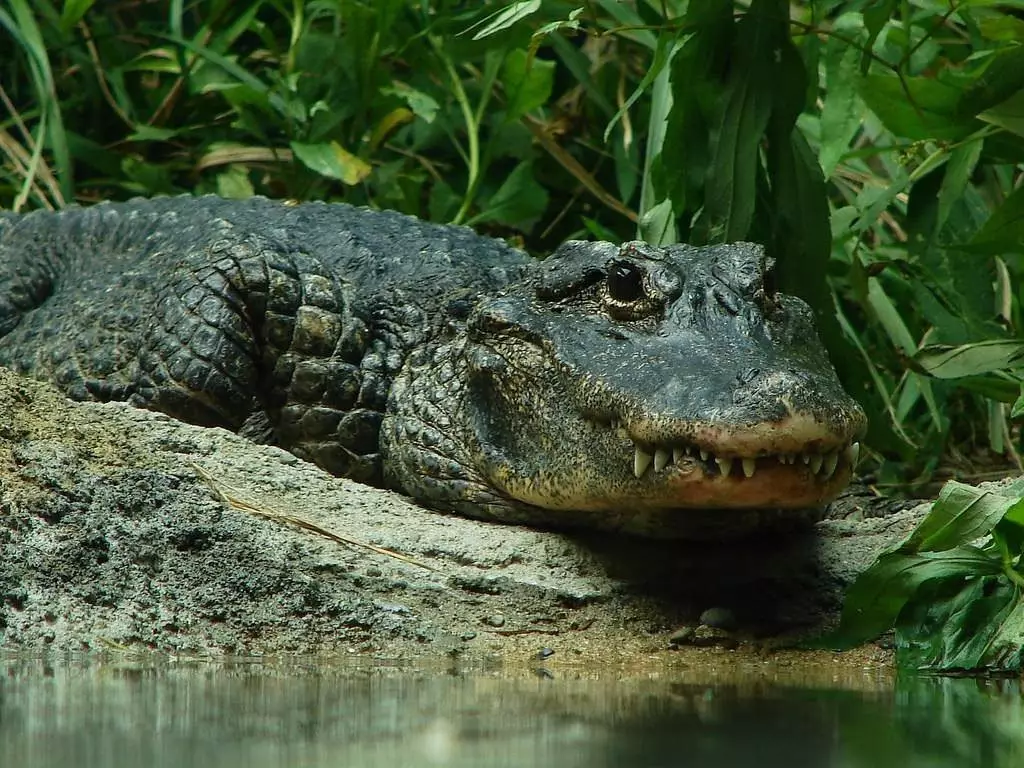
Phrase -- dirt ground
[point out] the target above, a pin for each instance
(124, 530)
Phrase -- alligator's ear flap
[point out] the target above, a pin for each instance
(573, 266)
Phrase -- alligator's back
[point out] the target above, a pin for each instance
(214, 310)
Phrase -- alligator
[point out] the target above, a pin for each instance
(663, 391)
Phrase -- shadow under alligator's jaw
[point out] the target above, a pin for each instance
(763, 579)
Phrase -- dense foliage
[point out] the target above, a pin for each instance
(876, 142)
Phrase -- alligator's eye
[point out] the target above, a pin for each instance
(625, 282)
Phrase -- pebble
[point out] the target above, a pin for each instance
(719, 617)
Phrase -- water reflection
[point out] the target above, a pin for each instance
(252, 715)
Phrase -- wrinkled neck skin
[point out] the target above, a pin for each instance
(426, 446)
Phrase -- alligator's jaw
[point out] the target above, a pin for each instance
(788, 465)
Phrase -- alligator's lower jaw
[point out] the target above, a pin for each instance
(772, 482)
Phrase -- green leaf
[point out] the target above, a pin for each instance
(1017, 411)
(145, 132)
(504, 18)
(876, 16)
(1002, 77)
(842, 109)
(1004, 229)
(963, 159)
(803, 236)
(731, 190)
(889, 316)
(662, 55)
(625, 15)
(962, 625)
(423, 105)
(874, 601)
(519, 201)
(944, 362)
(656, 223)
(73, 12)
(916, 108)
(528, 82)
(680, 169)
(1008, 115)
(961, 514)
(332, 160)
(234, 183)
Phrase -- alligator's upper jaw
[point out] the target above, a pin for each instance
(686, 476)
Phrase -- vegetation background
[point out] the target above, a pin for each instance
(875, 147)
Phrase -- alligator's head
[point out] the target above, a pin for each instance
(627, 387)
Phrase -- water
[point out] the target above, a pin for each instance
(314, 714)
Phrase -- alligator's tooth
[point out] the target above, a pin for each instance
(851, 454)
(677, 454)
(816, 462)
(660, 459)
(806, 458)
(724, 466)
(641, 461)
(830, 465)
(704, 454)
(749, 465)
(785, 458)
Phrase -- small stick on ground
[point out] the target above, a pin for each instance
(233, 498)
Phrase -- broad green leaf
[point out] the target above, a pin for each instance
(916, 108)
(519, 201)
(944, 362)
(961, 625)
(874, 601)
(963, 159)
(961, 514)
(528, 82)
(1008, 115)
(332, 160)
(504, 18)
(1004, 229)
(1006, 648)
(1001, 27)
(1002, 77)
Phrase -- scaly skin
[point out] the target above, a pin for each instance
(666, 392)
